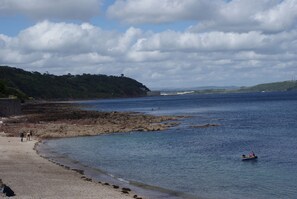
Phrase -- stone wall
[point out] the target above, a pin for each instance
(9, 107)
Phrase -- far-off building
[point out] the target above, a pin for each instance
(9, 107)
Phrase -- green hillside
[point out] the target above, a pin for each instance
(24, 84)
(269, 87)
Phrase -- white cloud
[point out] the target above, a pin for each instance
(246, 15)
(157, 59)
(214, 41)
(280, 17)
(51, 9)
(63, 37)
(215, 15)
(161, 11)
(126, 40)
(48, 44)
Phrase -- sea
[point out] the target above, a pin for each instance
(188, 161)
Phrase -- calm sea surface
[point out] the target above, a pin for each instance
(201, 162)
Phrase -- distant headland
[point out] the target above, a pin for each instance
(25, 85)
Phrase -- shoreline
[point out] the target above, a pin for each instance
(31, 176)
(41, 178)
(102, 177)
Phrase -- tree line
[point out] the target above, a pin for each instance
(25, 85)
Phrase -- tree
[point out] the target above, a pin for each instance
(2, 86)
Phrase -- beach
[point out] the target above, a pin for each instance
(32, 176)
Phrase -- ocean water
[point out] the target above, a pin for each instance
(189, 162)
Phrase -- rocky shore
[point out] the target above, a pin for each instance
(56, 120)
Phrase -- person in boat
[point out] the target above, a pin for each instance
(252, 154)
(243, 156)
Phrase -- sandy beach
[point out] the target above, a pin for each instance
(31, 176)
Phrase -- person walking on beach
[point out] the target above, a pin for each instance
(22, 136)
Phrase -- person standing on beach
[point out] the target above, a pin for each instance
(28, 137)
(22, 136)
(31, 134)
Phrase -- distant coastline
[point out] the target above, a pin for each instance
(267, 87)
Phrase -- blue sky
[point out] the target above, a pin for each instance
(161, 43)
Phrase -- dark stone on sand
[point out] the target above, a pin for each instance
(78, 171)
(126, 189)
(107, 184)
(135, 196)
(115, 186)
(126, 192)
(86, 178)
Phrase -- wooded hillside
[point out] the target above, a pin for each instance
(24, 84)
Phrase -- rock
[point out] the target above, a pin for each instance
(88, 179)
(126, 189)
(205, 125)
(115, 186)
(135, 196)
(125, 192)
(71, 121)
(79, 171)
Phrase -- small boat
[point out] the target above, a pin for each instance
(244, 158)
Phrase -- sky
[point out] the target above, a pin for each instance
(160, 43)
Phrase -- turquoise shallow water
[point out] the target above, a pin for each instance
(201, 162)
